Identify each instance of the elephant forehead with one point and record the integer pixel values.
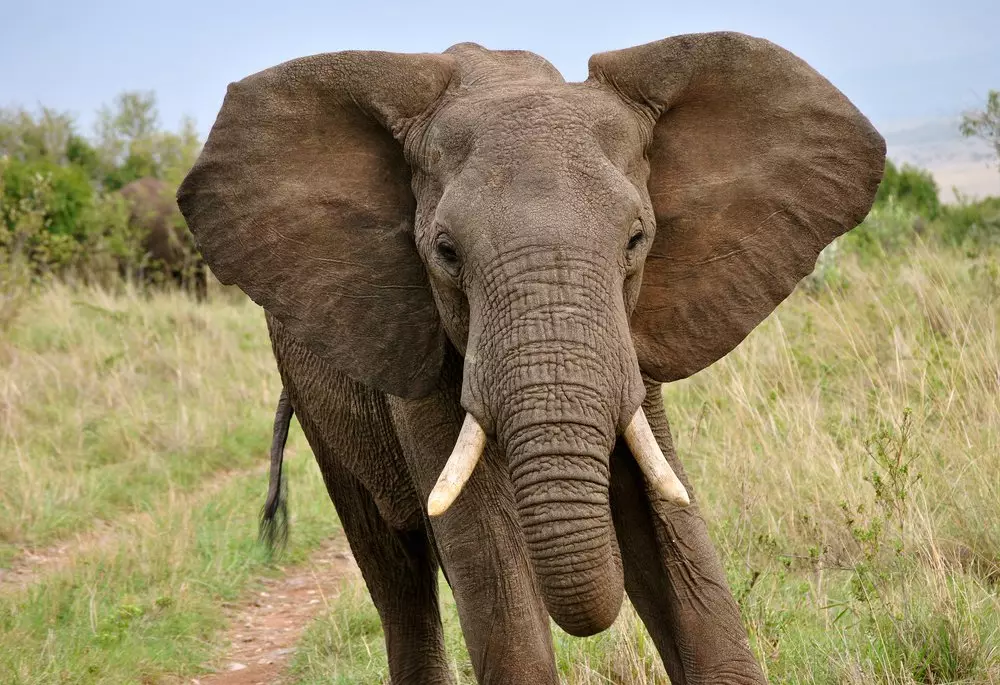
(519, 121)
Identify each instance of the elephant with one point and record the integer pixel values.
(476, 276)
(167, 250)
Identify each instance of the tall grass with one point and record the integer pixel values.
(110, 402)
(847, 458)
(849, 461)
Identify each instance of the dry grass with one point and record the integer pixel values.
(110, 402)
(847, 457)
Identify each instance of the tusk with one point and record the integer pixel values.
(468, 448)
(655, 467)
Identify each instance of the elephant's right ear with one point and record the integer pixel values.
(302, 198)
(756, 163)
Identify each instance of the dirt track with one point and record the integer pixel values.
(35, 563)
(265, 628)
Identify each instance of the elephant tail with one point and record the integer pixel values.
(274, 515)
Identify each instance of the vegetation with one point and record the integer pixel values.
(135, 430)
(60, 213)
(911, 187)
(846, 455)
(985, 123)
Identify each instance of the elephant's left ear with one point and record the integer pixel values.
(302, 198)
(756, 163)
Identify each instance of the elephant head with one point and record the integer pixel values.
(566, 238)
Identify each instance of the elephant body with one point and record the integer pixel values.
(380, 456)
(476, 277)
(167, 250)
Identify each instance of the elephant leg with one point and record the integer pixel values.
(482, 551)
(673, 574)
(201, 283)
(351, 435)
(400, 571)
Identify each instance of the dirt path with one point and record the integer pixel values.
(34, 564)
(265, 629)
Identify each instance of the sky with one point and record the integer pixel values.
(900, 62)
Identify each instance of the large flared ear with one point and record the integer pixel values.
(756, 163)
(302, 198)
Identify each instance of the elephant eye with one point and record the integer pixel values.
(638, 236)
(447, 252)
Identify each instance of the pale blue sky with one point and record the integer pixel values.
(898, 60)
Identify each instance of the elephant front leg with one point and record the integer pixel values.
(673, 574)
(400, 573)
(482, 552)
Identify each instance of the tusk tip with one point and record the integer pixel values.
(681, 499)
(675, 493)
(678, 494)
(439, 502)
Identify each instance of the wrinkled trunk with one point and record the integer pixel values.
(550, 366)
(559, 470)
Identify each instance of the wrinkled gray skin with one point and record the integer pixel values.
(167, 249)
(432, 235)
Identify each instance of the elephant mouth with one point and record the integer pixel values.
(638, 436)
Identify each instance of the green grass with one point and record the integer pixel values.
(151, 603)
(346, 646)
(846, 455)
(109, 403)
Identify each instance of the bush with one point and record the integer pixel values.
(971, 224)
(907, 210)
(68, 195)
(888, 230)
(911, 187)
(54, 222)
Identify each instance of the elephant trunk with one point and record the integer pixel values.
(560, 475)
(551, 373)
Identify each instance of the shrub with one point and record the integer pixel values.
(911, 187)
(54, 222)
(888, 230)
(971, 224)
(68, 195)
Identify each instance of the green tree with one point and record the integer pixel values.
(132, 145)
(81, 153)
(30, 137)
(124, 130)
(984, 123)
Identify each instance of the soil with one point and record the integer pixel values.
(264, 631)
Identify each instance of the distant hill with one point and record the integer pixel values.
(970, 165)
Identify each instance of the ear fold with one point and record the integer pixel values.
(302, 198)
(756, 163)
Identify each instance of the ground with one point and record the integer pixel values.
(847, 456)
